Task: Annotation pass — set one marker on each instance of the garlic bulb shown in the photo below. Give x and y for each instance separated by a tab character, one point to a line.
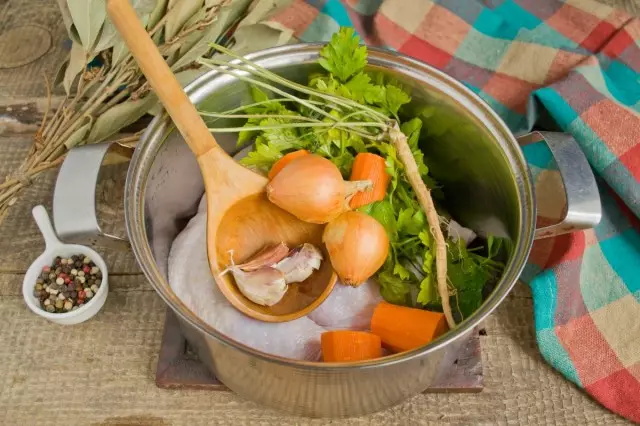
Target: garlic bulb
268	256
300	263
265	286
263	278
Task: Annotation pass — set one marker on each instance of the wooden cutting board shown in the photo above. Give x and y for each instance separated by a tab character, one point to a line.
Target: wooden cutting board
179	366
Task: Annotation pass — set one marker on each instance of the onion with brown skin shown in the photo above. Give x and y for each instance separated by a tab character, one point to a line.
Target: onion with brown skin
312	189
358	246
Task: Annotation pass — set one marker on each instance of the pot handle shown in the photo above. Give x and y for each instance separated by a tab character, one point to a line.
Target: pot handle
74	194
583	208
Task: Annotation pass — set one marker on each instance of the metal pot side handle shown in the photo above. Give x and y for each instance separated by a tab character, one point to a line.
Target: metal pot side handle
74	196
583	209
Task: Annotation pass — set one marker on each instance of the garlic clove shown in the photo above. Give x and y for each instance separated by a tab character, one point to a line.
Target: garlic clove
457	231
300	263
265	286
268	256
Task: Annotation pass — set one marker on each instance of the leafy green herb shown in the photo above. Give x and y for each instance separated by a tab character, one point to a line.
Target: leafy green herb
343	56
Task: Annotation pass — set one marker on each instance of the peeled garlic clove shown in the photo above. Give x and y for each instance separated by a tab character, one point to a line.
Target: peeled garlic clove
268	256
265	286
300	263
456	231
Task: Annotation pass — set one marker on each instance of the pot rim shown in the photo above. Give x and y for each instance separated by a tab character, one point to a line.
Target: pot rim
137	176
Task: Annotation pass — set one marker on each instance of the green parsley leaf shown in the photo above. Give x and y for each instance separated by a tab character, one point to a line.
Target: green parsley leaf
393	289
262	156
428	292
361	90
395	98
383	213
411	129
411	222
343	56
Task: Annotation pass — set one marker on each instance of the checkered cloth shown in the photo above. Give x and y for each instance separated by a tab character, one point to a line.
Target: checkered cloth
571	65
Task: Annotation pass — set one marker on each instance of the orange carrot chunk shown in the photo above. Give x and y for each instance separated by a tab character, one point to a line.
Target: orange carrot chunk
286	159
371	167
347	345
402	329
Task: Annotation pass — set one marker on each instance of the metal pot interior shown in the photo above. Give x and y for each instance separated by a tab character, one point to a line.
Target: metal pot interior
469	151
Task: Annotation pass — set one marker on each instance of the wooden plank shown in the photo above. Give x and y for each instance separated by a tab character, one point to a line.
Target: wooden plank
179	367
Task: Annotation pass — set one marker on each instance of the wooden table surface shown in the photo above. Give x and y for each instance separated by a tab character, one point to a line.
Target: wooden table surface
102	372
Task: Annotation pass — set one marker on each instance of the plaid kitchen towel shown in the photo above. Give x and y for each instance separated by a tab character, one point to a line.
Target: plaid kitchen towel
576	64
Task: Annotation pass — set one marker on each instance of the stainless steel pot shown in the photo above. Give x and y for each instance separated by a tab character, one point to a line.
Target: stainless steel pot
490	191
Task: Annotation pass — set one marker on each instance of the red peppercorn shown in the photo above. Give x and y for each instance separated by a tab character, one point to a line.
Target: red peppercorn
67	280
86	269
81	294
46	268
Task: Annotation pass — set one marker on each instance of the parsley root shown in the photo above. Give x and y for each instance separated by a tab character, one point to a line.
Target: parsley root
399	140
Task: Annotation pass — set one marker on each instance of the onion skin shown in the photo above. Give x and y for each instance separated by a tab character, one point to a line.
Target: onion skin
357	244
311	188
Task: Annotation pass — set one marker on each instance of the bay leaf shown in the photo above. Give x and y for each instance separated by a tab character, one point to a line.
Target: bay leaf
256	31
119	116
88	17
178	13
68	20
226	15
77	63
120	49
157	13
190	40
210	3
109	35
78	136
184	78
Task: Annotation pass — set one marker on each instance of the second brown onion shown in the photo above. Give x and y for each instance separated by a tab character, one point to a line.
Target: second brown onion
358	246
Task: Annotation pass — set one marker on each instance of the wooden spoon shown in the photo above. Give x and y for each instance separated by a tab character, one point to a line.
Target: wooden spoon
239	215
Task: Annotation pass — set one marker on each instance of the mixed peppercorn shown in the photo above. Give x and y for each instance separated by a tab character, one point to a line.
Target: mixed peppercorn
67	284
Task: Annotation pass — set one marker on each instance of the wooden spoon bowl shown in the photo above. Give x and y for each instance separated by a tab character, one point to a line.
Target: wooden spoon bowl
239	216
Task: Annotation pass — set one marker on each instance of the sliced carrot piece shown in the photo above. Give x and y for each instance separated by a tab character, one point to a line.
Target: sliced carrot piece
402	329
367	166
347	345
286	159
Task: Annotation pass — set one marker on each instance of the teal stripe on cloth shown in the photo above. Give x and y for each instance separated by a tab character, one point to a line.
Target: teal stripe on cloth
622	253
545	287
556	355
337	11
557	106
513	12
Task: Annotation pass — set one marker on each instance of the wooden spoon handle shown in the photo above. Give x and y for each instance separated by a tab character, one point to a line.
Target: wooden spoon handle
161	78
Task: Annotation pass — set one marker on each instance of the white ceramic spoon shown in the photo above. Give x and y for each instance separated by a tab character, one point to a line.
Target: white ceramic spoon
54	247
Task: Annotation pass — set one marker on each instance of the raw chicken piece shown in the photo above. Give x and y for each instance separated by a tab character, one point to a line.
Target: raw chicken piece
191	280
348	307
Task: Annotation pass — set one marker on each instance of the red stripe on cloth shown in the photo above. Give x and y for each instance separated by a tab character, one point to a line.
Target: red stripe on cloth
592	356
631	160
510	91
426	52
618	44
389	33
566	247
619	392
297	16
598	36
